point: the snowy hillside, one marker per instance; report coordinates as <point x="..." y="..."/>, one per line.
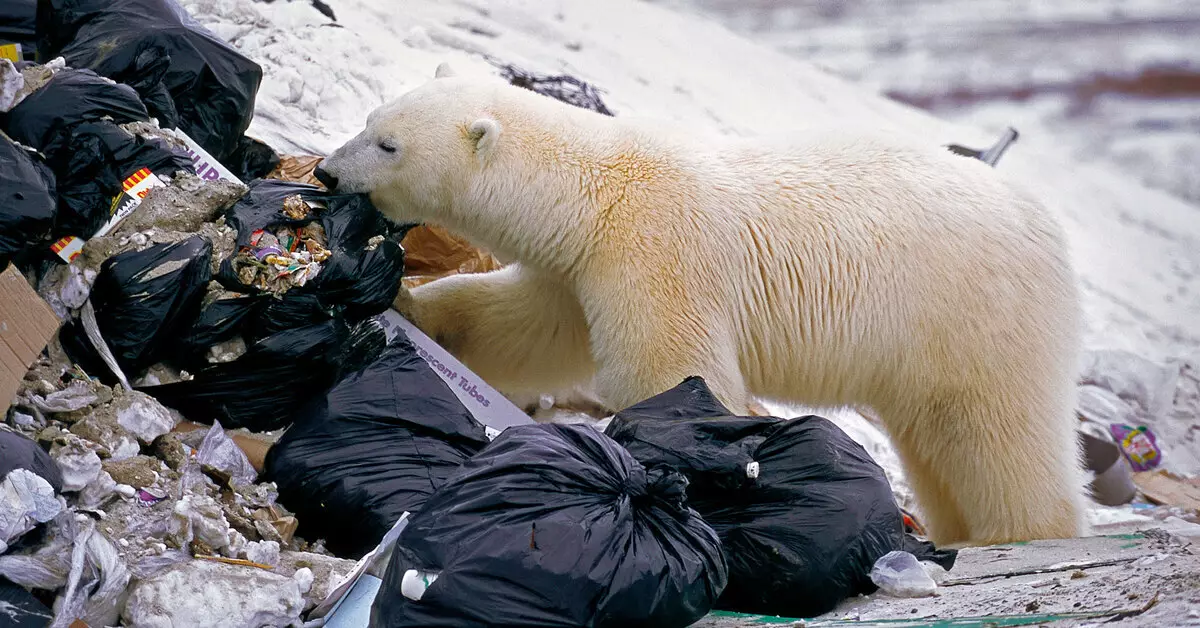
<point x="1138" y="250"/>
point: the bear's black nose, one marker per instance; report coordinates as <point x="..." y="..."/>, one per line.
<point x="325" y="178"/>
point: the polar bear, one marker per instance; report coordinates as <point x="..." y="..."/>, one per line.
<point x="828" y="268"/>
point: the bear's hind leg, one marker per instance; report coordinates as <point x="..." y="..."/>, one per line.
<point x="988" y="472"/>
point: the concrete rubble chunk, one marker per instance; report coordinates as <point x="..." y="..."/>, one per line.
<point x="204" y="594"/>
<point x="79" y="464"/>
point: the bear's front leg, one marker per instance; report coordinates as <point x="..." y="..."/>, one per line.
<point x="523" y="333"/>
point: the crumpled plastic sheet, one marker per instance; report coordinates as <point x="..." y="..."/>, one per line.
<point x="26" y="499"/>
<point x="46" y="568"/>
<point x="900" y="574"/>
<point x="95" y="584"/>
<point x="220" y="452"/>
<point x="76" y="396"/>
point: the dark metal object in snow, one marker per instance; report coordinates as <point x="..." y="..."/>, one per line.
<point x="561" y="87"/>
<point x="991" y="155"/>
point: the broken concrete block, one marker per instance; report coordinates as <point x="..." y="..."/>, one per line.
<point x="203" y="594"/>
<point x="118" y="444"/>
<point x="144" y="416"/>
<point x="79" y="464"/>
<point x="138" y="471"/>
<point x="202" y="515"/>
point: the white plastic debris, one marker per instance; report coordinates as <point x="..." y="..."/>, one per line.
<point x="98" y="491"/>
<point x="47" y="567"/>
<point x="144" y="416"/>
<point x="220" y="452"/>
<point x="96" y="583"/>
<point x="80" y="466"/>
<point x="206" y="594"/>
<point x="26" y="499"/>
<point x="414" y="583"/>
<point x="76" y="396"/>
<point x="900" y="574"/>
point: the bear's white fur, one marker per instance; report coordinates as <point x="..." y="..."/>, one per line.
<point x="825" y="268"/>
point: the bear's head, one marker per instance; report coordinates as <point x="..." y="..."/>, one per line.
<point x="421" y="150"/>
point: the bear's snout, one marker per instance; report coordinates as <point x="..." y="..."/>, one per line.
<point x="325" y="178"/>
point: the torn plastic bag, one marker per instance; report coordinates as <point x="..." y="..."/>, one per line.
<point x="143" y="300"/>
<point x="70" y="97"/>
<point x="377" y="445"/>
<point x="95" y="584"/>
<point x="30" y="482"/>
<point x="252" y="159"/>
<point x="802" y="510"/>
<point x="358" y="280"/>
<point x="27" y="200"/>
<point x="553" y="525"/>
<point x="262" y="389"/>
<point x="213" y="86"/>
<point x="92" y="161"/>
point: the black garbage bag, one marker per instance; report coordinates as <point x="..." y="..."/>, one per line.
<point x="27" y="200"/>
<point x="21" y="608"/>
<point x="377" y="445"/>
<point x="554" y="525"/>
<point x="252" y="159"/>
<point x="262" y="389"/>
<point x="70" y="97"/>
<point x="19" y="452"/>
<point x="357" y="281"/>
<point x="143" y="299"/>
<point x="18" y="24"/>
<point x="802" y="510"/>
<point x="219" y="321"/>
<point x="157" y="47"/>
<point x="92" y="161"/>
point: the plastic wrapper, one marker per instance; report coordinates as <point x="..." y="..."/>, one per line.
<point x="182" y="70"/>
<point x="376" y="446"/>
<point x="95" y="584"/>
<point x="142" y="300"/>
<point x="263" y="389"/>
<point x="900" y="574"/>
<point x="28" y="200"/>
<point x="803" y="511"/>
<point x="553" y="525"/>
<point x="219" y="451"/>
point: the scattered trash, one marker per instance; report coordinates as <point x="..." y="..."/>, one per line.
<point x="219" y="453"/>
<point x="28" y="200"/>
<point x="802" y="510"/>
<point x="378" y="444"/>
<point x="26" y="500"/>
<point x="187" y="75"/>
<point x="431" y="252"/>
<point x="568" y="89"/>
<point x="1138" y="445"/>
<point x="1113" y="482"/>
<point x="536" y="530"/>
<point x="1163" y="487"/>
<point x="899" y="574"/>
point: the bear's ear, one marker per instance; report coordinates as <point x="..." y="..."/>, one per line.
<point x="486" y="133"/>
<point x="444" y="71"/>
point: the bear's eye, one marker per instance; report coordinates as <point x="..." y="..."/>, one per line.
<point x="387" y="147"/>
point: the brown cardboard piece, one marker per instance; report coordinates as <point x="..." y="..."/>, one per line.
<point x="26" y="324"/>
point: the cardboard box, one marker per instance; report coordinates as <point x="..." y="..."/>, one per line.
<point x="26" y="324"/>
